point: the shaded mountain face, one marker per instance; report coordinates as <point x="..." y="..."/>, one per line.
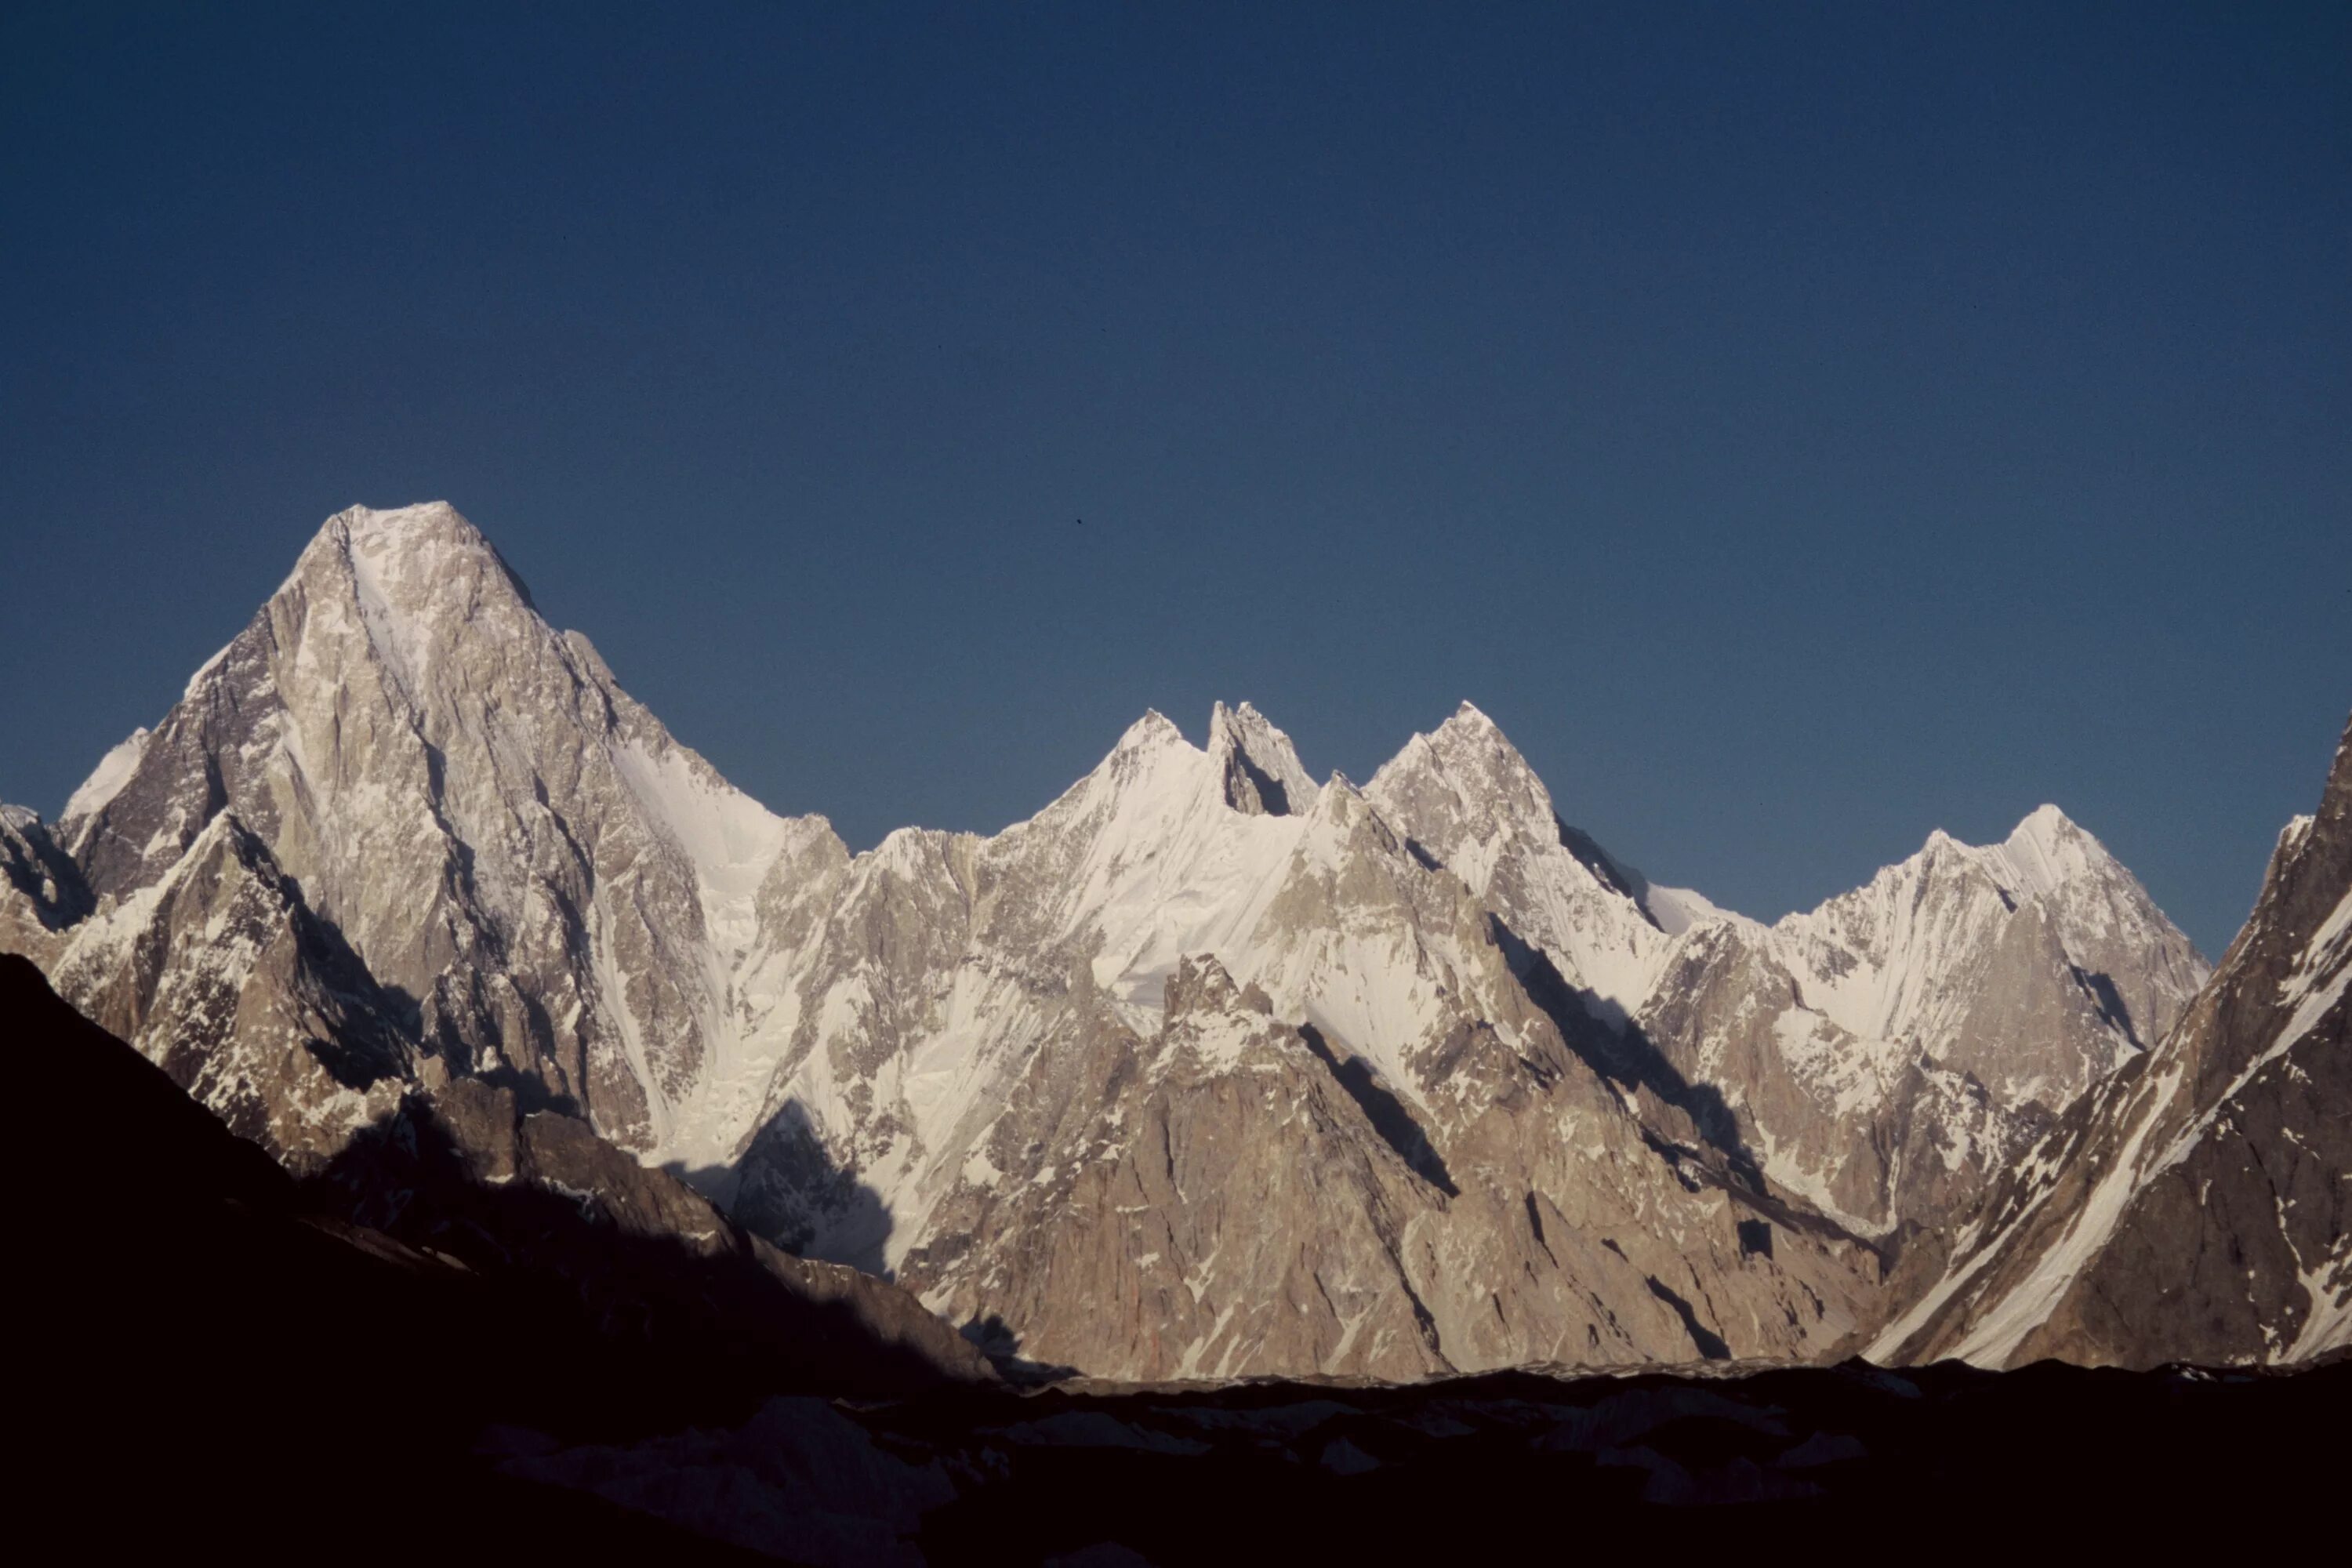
<point x="1207" y="1068"/>
<point x="461" y="1201"/>
<point x="536" y="1202"/>
<point x="2197" y="1205"/>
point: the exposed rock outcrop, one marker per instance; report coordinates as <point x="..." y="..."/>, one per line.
<point x="41" y="890"/>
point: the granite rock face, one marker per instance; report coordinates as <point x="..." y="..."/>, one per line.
<point x="2197" y="1205"/>
<point x="1205" y="1069"/>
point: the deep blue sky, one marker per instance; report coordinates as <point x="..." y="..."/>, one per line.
<point x="1801" y="427"/>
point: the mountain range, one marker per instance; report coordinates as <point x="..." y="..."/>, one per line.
<point x="1208" y="1069"/>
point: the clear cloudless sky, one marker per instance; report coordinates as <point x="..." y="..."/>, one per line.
<point x="1801" y="426"/>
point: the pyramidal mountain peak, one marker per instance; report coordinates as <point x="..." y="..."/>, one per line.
<point x="1064" y="1077"/>
<point x="2048" y="848"/>
<point x="1468" y="763"/>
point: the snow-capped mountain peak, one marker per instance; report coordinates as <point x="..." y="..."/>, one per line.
<point x="1975" y="991"/>
<point x="2047" y="850"/>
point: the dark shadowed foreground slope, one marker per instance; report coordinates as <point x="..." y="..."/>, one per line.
<point x="212" y="1353"/>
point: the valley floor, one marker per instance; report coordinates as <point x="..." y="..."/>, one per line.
<point x="1461" y="1470"/>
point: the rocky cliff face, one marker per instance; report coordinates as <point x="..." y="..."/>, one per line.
<point x="1466" y="799"/>
<point x="42" y="893"/>
<point x="2197" y="1205"/>
<point x="1205" y="1068"/>
<point x="1883" y="1056"/>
